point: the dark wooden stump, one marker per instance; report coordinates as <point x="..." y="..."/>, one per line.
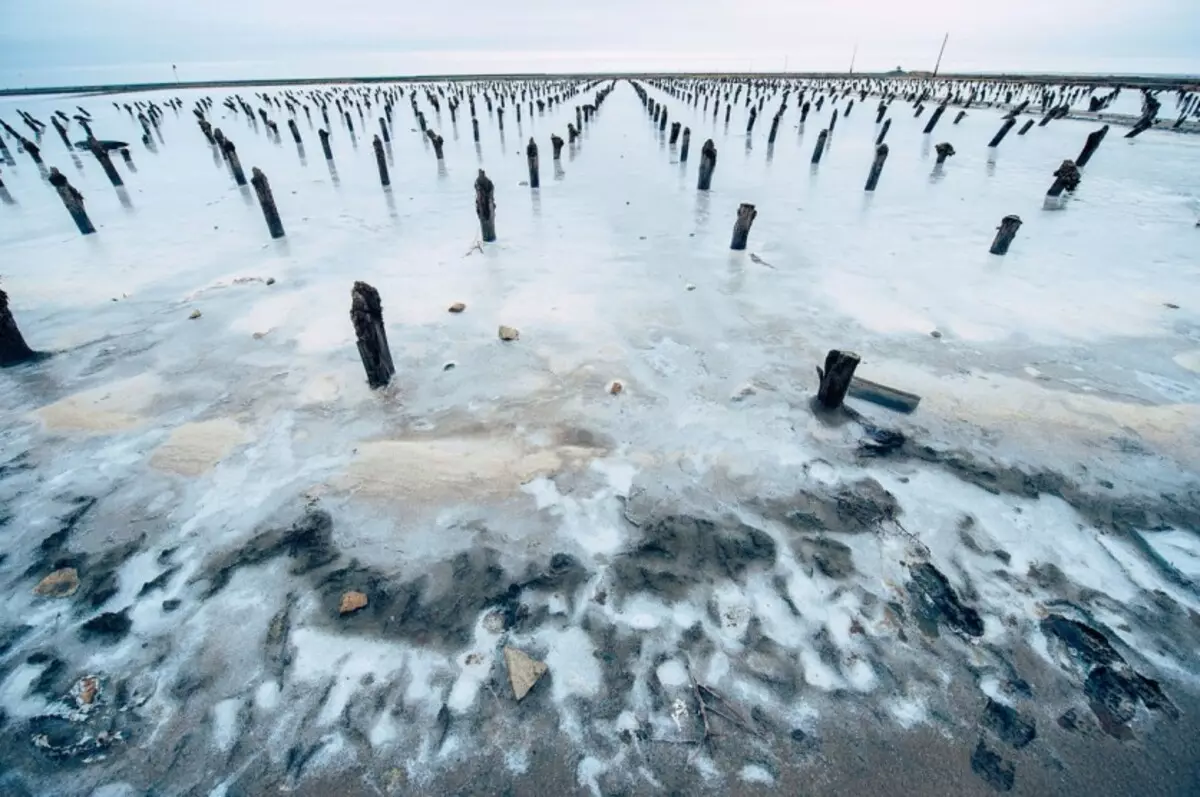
<point x="295" y="131"/>
<point x="437" y="142"/>
<point x="683" y="147"/>
<point x="62" y="132"/>
<point x="485" y="206"/>
<point x="267" y="200"/>
<point x="820" y="148"/>
<point x="960" y="116"/>
<point x="741" y="228"/>
<point x="662" y="121"/>
<point x="881" y="153"/>
<point x="996" y="139"/>
<point x="675" y="128"/>
<point x="943" y="150"/>
<point x="835" y="377"/>
<point x="933" y="120"/>
<point x="1066" y="178"/>
<point x="366" y="313"/>
<point x="324" y="136"/>
<point x="475" y="128"/>
<point x="235" y="163"/>
<point x="572" y="134"/>
<point x="384" y="131"/>
<point x="381" y="162"/>
<point x="72" y="199"/>
<point x="1090" y="146"/>
<point x="1005" y="234"/>
<point x="880" y="111"/>
<point x="833" y="121"/>
<point x="774" y="129"/>
<point x="708" y="162"/>
<point x="883" y="132"/>
<point x="556" y="144"/>
<point x="13" y="350"/>
<point x="531" y="155"/>
<point x="1025" y="127"/>
<point x="106" y="163"/>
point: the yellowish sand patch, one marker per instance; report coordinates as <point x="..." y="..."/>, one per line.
<point x="1189" y="360"/>
<point x="108" y="408"/>
<point x="452" y="467"/>
<point x="195" y="448"/>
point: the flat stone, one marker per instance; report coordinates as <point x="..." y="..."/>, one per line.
<point x="457" y="307"/>
<point x="59" y="584"/>
<point x="523" y="670"/>
<point x="509" y="333"/>
<point x="352" y="601"/>
<point x="195" y="314"/>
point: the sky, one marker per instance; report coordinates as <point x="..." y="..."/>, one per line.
<point x="91" y="42"/>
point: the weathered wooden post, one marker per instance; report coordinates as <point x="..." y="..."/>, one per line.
<point x="13" y="349"/>
<point x="475" y="128"/>
<point x="1066" y="178"/>
<point x="687" y="141"/>
<point x="880" y="111"/>
<point x="881" y="153"/>
<point x="1090" y="146"/>
<point x="833" y="121"/>
<point x="1008" y="125"/>
<point x="72" y="199"/>
<point x="557" y="143"/>
<point x="774" y="129"/>
<point x="1025" y="127"/>
<point x="835" y="377"/>
<point x="883" y="132"/>
<point x="741" y="228"/>
<point x="933" y="120"/>
<point x="675" y="127"/>
<point x="383" y="129"/>
<point x="708" y="162"/>
<point x="820" y="148"/>
<point x="959" y="117"/>
<point x="235" y="163"/>
<point x="437" y="142"/>
<point x="35" y="152"/>
<point x="106" y="163"/>
<point x="1005" y="234"/>
<point x="62" y="132"/>
<point x="943" y="150"/>
<point x="572" y="134"/>
<point x="485" y="206"/>
<point x="324" y="136"/>
<point x="295" y="131"/>
<point x="381" y="162"/>
<point x="267" y="200"/>
<point x="531" y="155"/>
<point x="366" y="313"/>
<point x="5" y="197"/>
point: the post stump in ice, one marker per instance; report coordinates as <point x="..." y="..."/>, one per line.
<point x="881" y="153"/>
<point x="485" y="206"/>
<point x="531" y="154"/>
<point x="686" y="143"/>
<point x="741" y="228"/>
<point x="820" y="148"/>
<point x="366" y="313"/>
<point x="835" y="377"/>
<point x="381" y="162"/>
<point x="72" y="199"/>
<point x="1090" y="146"/>
<point x="883" y="131"/>
<point x="13" y="350"/>
<point x="557" y="143"/>
<point x="106" y="163"/>
<point x="1002" y="132"/>
<point x="943" y="150"/>
<point x="267" y="200"/>
<point x="1066" y="178"/>
<point x="324" y="136"/>
<point x="708" y="162"/>
<point x="1005" y="234"/>
<point x="235" y="163"/>
<point x="437" y="142"/>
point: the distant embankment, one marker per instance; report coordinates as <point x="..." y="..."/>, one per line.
<point x="1160" y="82"/>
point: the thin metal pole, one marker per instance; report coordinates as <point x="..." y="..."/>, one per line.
<point x="941" y="52"/>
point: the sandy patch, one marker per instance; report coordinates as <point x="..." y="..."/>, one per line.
<point x="109" y="408"/>
<point x="195" y="448"/>
<point x="452" y="467"/>
<point x="1189" y="360"/>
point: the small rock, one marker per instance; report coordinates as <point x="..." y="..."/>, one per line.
<point x="523" y="182"/>
<point x="450" y="366"/>
<point x="270" y="280"/>
<point x="1170" y="306"/>
<point x="509" y="333"/>
<point x="170" y="605"/>
<point x="259" y="335"/>
<point x="195" y="314"/>
<point x="59" y="584"/>
<point x="691" y="287"/>
<point x="935" y="334"/>
<point x="641" y="237"/>
<point x="457" y="307"/>
<point x="352" y="601"/>
<point x="494" y="622"/>
<point x="86" y="689"/>
<point x="615" y="388"/>
<point x="523" y="671"/>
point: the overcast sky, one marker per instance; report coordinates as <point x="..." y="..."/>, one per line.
<point x="57" y="42"/>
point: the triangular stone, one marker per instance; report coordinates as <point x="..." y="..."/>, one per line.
<point x="523" y="671"/>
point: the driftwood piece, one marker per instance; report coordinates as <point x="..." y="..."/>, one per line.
<point x="884" y="396"/>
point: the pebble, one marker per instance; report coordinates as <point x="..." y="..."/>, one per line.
<point x="457" y="307"/>
<point x="61" y="583"/>
<point x="935" y="334"/>
<point x="450" y="366"/>
<point x="615" y="388"/>
<point x="352" y="601"/>
<point x="270" y="280"/>
<point x="509" y="333"/>
<point x="195" y="314"/>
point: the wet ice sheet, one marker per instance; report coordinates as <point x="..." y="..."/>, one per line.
<point x="197" y="433"/>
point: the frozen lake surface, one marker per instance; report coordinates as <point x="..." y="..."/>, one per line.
<point x="1026" y="558"/>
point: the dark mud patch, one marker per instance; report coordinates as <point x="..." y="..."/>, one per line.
<point x="106" y="629"/>
<point x="1113" y="688"/>
<point x="677" y="552"/>
<point x="308" y="542"/>
<point x="831" y="558"/>
<point x="159" y="582"/>
<point x="994" y="770"/>
<point x="853" y="509"/>
<point x="936" y="603"/>
<point x="1010" y="726"/>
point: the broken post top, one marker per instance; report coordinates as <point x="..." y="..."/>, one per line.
<point x="365" y="304"/>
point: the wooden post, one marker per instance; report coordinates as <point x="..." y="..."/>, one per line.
<point x="820" y="148"/>
<point x="883" y="132"/>
<point x="835" y="377"/>
<point x="1066" y="178"/>
<point x="1008" y="125"/>
<point x="959" y="117"/>
<point x="13" y="349"/>
<point x="662" y="121"/>
<point x="683" y="148"/>
<point x="708" y="162"/>
<point x="475" y="128"/>
<point x="485" y="206"/>
<point x="437" y="142"/>
<point x="741" y="228"/>
<point x="774" y="129"/>
<point x="295" y="131"/>
<point x="572" y="133"/>
<point x="833" y="121"/>
<point x="881" y="153"/>
<point x="366" y="313"/>
<point x="267" y="200"/>
<point x="72" y="199"/>
<point x="62" y="132"/>
<point x="1005" y="234"/>
<point x="324" y="136"/>
<point x="943" y="150"/>
<point x="383" y="129"/>
<point x="753" y="119"/>
<point x="35" y="152"/>
<point x="235" y="163"/>
<point x="1090" y="146"/>
<point x="557" y="143"/>
<point x="933" y="120"/>
<point x="531" y="155"/>
<point x="1025" y="127"/>
<point x="675" y="127"/>
<point x="381" y="162"/>
<point x="106" y="163"/>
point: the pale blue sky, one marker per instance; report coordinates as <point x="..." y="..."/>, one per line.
<point x="57" y="42"/>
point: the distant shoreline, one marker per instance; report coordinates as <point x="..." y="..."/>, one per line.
<point x="1162" y="82"/>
